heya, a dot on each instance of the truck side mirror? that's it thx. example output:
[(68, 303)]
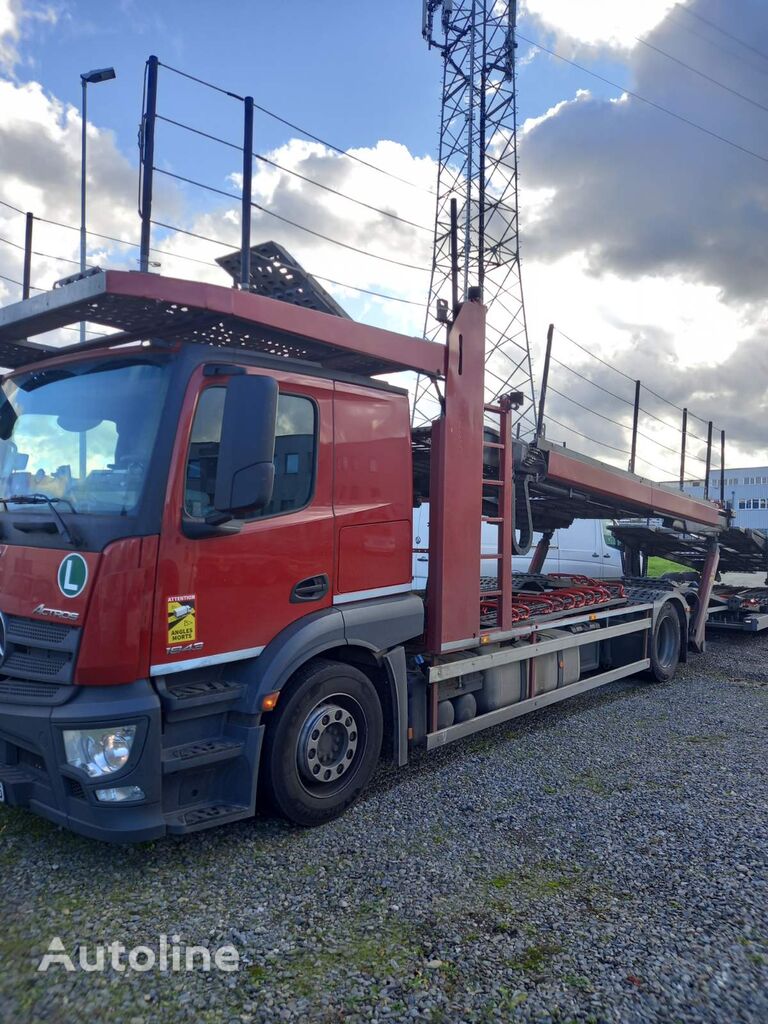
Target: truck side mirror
[(245, 474)]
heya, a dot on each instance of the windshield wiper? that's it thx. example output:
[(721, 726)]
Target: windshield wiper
[(44, 499)]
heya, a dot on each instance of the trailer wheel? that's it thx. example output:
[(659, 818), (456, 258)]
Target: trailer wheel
[(322, 743), (665, 645)]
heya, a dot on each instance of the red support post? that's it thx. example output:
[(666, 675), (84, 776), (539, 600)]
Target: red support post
[(706, 583), (507, 512), (453, 588)]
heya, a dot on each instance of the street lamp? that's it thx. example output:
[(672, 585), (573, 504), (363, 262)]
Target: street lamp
[(86, 79)]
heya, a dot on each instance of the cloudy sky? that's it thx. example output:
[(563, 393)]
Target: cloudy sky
[(644, 174)]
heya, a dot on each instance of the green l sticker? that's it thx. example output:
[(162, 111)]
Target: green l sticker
[(73, 575)]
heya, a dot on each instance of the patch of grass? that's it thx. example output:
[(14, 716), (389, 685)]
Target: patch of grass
[(502, 1006), (589, 780), (536, 882), (535, 958), (578, 981), (392, 948), (658, 566), (706, 741)]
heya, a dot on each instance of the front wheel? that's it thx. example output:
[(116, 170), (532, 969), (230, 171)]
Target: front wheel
[(665, 645), (322, 743)]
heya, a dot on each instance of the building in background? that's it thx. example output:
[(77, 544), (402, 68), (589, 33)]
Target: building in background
[(745, 489)]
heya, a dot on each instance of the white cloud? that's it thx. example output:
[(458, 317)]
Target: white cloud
[(614, 22), (40, 172), (9, 34)]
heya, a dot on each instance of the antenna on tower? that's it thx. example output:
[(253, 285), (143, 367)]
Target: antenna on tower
[(477, 167)]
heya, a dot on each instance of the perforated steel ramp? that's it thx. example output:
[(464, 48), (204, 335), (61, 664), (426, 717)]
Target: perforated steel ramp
[(276, 274)]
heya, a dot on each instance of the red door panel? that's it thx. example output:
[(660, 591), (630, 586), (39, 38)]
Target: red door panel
[(373, 488), (373, 556), (238, 587)]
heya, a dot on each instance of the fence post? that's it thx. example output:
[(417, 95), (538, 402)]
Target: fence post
[(635, 417), (544, 382), (722, 467), (147, 154), (709, 459), (682, 449), (245, 215), (26, 277)]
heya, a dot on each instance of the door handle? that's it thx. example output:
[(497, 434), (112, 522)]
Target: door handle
[(313, 588), (422, 558), (606, 556), (595, 554)]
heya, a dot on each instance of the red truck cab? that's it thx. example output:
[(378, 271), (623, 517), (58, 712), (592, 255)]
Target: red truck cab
[(184, 528)]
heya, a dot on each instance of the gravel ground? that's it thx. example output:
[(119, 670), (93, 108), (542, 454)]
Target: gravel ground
[(604, 861)]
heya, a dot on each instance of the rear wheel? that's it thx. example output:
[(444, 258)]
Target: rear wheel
[(322, 743), (665, 645)]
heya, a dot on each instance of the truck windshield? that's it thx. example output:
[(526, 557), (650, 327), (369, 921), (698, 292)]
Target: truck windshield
[(83, 433)]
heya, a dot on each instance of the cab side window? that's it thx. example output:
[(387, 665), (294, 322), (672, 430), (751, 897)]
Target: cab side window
[(295, 449), (608, 537)]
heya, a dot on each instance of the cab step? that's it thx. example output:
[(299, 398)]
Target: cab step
[(200, 752), (16, 785), (204, 816), (210, 695)]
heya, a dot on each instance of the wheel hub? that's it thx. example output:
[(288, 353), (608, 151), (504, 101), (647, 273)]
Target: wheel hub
[(327, 743)]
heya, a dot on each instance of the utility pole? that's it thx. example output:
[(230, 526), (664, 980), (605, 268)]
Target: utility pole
[(477, 166)]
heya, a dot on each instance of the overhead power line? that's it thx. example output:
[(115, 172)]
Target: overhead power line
[(752, 65), (722, 31), (192, 259), (661, 398), (628, 402), (703, 74), (651, 103), (43, 255), (303, 131), (295, 174), (604, 444), (292, 223), (228, 245)]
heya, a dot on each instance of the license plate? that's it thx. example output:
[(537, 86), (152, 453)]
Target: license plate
[(2, 793)]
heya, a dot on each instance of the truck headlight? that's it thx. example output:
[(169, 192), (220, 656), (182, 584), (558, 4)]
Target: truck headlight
[(99, 751)]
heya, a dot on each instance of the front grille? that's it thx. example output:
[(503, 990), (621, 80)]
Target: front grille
[(34, 632), (42, 651), (31, 663), (21, 691)]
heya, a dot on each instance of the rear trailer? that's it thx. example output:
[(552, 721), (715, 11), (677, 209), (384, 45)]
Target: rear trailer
[(735, 603), (276, 647)]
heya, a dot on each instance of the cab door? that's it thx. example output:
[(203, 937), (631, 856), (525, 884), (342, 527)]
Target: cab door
[(225, 596)]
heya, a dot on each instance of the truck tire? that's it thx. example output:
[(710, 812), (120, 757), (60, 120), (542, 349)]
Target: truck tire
[(665, 645), (322, 743)]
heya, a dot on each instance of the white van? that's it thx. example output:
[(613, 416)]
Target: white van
[(586, 547)]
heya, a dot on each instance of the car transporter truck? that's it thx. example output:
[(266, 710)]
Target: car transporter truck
[(206, 559)]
